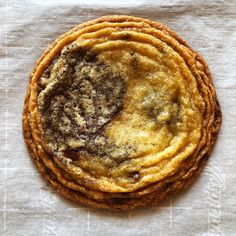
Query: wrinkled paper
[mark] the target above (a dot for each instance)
(28, 206)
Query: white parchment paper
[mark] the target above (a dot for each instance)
(28, 206)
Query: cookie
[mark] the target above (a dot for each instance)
(120, 113)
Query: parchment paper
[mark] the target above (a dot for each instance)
(28, 206)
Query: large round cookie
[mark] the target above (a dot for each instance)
(120, 113)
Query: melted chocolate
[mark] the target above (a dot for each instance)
(76, 105)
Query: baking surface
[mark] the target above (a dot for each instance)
(28, 206)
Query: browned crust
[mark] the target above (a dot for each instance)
(155, 194)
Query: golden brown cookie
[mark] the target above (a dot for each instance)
(120, 113)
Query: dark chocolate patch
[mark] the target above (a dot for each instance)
(77, 104)
(134, 176)
(134, 60)
(126, 36)
(162, 110)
